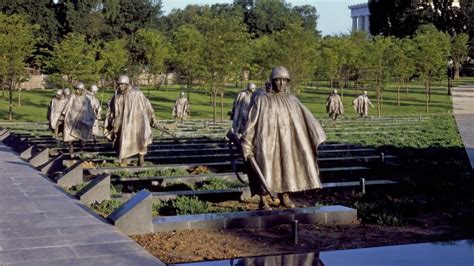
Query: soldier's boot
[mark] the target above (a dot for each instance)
(94, 139)
(56, 132)
(285, 200)
(141, 160)
(263, 205)
(82, 143)
(123, 163)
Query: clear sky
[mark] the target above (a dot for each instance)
(334, 16)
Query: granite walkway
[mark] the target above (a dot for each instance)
(463, 109)
(42, 225)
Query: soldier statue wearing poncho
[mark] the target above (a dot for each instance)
(334, 106)
(55, 109)
(240, 110)
(97, 110)
(361, 105)
(79, 117)
(181, 107)
(129, 120)
(282, 138)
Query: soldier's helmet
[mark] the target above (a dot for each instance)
(123, 79)
(365, 92)
(334, 91)
(80, 86)
(67, 91)
(181, 94)
(251, 87)
(59, 92)
(280, 72)
(94, 88)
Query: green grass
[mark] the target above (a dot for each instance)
(34, 103)
(106, 207)
(153, 173)
(214, 183)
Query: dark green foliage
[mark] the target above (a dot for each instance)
(402, 18)
(373, 212)
(74, 189)
(106, 207)
(218, 183)
(43, 14)
(153, 172)
(182, 205)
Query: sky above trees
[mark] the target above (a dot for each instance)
(334, 15)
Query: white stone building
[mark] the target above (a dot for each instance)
(360, 17)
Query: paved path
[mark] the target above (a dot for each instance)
(41, 225)
(463, 106)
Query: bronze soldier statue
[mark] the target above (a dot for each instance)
(241, 108)
(361, 105)
(78, 118)
(334, 106)
(97, 110)
(130, 118)
(55, 109)
(280, 143)
(181, 108)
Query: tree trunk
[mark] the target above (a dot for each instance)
(379, 102)
(331, 83)
(19, 96)
(429, 91)
(427, 97)
(406, 88)
(342, 89)
(398, 93)
(222, 107)
(10, 106)
(457, 70)
(214, 103)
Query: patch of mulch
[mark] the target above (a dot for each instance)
(198, 245)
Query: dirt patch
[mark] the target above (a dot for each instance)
(197, 245)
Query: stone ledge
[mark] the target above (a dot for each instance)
(336, 214)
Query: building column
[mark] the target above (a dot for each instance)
(354, 23)
(360, 23)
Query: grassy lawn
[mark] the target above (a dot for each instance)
(438, 130)
(34, 103)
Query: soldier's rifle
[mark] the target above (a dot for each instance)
(233, 139)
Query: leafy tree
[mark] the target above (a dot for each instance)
(114, 57)
(16, 44)
(156, 51)
(82, 17)
(350, 49)
(270, 16)
(331, 59)
(402, 18)
(75, 59)
(459, 52)
(308, 15)
(41, 13)
(401, 64)
(397, 18)
(297, 51)
(188, 43)
(263, 57)
(446, 15)
(132, 15)
(432, 49)
(225, 51)
(378, 67)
